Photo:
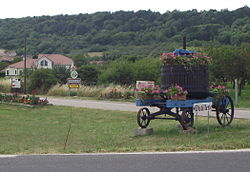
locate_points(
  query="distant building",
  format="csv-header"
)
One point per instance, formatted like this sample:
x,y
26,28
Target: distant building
x,y
6,59
47,61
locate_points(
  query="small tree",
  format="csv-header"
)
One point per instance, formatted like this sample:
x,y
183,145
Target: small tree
x,y
89,74
61,74
118,72
231,63
41,80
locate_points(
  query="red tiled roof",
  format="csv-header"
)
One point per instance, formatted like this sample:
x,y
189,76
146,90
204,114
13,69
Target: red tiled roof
x,y
30,63
6,58
57,59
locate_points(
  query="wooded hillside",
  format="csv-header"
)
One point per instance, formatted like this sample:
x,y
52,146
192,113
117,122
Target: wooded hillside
x,y
144,33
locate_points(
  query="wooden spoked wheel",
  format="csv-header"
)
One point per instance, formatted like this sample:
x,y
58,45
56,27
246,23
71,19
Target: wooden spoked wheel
x,y
143,118
225,111
187,119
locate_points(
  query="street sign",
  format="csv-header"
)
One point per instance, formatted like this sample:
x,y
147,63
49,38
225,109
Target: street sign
x,y
74,86
74,83
200,107
145,84
74,74
16,83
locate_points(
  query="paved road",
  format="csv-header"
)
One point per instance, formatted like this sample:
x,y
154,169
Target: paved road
x,y
121,106
141,162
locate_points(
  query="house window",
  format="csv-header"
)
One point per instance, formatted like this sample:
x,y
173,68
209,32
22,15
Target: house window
x,y
7,72
15,72
44,63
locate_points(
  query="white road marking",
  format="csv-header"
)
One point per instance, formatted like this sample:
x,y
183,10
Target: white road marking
x,y
131,153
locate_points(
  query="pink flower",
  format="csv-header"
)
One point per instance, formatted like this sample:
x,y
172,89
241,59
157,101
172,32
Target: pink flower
x,y
165,91
155,91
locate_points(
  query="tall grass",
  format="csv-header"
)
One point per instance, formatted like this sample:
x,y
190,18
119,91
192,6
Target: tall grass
x,y
5,85
89,91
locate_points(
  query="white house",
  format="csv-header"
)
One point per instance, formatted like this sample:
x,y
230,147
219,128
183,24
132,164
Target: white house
x,y
47,61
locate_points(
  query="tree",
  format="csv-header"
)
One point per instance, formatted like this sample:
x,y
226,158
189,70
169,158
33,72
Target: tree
x,y
41,80
89,74
118,72
230,63
147,69
61,73
80,60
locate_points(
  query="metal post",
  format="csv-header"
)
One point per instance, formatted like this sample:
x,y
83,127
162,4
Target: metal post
x,y
236,91
208,122
25,72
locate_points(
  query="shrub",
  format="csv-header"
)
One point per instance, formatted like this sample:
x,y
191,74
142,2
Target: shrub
x,y
42,80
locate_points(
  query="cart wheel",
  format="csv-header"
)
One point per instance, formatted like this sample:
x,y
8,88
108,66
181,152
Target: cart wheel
x,y
187,119
225,111
143,118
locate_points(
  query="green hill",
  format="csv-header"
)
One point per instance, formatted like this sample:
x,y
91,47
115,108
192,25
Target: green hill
x,y
142,33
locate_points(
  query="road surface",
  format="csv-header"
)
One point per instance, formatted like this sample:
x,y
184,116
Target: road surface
x,y
121,106
140,162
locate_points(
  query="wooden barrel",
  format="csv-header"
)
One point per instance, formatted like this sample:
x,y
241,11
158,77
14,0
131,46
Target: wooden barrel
x,y
194,79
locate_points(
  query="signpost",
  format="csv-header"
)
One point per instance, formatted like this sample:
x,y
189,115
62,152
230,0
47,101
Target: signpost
x,y
16,85
145,84
74,82
202,107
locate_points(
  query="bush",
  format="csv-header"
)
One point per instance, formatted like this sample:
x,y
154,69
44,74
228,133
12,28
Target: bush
x,y
89,74
118,72
42,79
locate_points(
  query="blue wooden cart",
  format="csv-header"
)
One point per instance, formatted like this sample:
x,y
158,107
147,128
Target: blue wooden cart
x,y
182,110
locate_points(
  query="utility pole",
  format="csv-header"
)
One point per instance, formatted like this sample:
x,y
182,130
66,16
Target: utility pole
x,y
184,42
25,72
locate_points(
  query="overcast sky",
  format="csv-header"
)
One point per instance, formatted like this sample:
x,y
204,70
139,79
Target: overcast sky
x,y
24,8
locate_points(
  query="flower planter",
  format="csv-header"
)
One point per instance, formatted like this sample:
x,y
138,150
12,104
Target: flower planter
x,y
179,98
194,79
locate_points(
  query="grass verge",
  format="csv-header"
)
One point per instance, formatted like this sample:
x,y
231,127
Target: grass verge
x,y
25,130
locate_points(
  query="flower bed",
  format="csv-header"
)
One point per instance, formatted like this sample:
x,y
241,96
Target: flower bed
x,y
27,99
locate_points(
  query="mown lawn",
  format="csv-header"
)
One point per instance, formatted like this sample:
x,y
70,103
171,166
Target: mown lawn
x,y
25,130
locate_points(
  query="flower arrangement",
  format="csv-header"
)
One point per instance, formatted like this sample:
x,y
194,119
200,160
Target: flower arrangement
x,y
148,92
219,90
186,59
175,92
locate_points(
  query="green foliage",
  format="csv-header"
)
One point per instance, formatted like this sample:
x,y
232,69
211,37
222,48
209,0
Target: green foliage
x,y
61,73
106,31
42,79
128,70
89,74
80,60
147,69
118,72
